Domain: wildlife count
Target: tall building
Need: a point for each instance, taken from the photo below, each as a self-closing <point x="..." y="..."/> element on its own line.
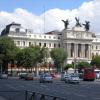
<point x="80" y="44"/>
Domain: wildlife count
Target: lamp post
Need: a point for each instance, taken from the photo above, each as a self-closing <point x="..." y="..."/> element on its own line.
<point x="75" y="64"/>
<point x="1" y="68"/>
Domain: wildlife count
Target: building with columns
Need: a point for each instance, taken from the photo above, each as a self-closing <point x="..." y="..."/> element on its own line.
<point x="80" y="45"/>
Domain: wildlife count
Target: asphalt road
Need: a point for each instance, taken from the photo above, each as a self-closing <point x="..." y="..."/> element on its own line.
<point x="82" y="91"/>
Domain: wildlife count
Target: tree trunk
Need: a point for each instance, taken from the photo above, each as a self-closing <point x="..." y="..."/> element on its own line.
<point x="5" y="67"/>
<point x="37" y="71"/>
<point x="12" y="65"/>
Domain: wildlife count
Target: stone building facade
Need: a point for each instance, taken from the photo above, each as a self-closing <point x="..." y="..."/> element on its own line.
<point x="80" y="45"/>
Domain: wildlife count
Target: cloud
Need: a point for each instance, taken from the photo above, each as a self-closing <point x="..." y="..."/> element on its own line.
<point x="51" y="19"/>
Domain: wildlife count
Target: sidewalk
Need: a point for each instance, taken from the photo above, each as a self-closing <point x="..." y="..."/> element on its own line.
<point x="1" y="98"/>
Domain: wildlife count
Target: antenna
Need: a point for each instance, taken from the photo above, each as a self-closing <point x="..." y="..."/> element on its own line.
<point x="44" y="19"/>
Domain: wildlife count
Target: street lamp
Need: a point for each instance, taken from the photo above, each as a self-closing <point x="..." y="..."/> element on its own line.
<point x="75" y="64"/>
<point x="1" y="68"/>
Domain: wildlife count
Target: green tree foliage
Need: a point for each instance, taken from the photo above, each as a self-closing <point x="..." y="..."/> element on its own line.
<point x="82" y="65"/>
<point x="25" y="58"/>
<point x="29" y="57"/>
<point x="59" y="56"/>
<point x="96" y="61"/>
<point x="7" y="51"/>
<point x="68" y="66"/>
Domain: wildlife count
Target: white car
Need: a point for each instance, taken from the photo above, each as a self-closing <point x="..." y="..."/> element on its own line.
<point x="73" y="78"/>
<point x="3" y="76"/>
<point x="97" y="73"/>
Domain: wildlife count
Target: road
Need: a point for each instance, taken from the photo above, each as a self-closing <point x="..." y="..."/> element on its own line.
<point x="82" y="91"/>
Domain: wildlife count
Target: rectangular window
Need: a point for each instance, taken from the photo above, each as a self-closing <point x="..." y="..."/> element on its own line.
<point x="44" y="44"/>
<point x="40" y="44"/>
<point x="72" y="49"/>
<point x="79" y="50"/>
<point x="86" y="50"/>
<point x="18" y="42"/>
<point x="96" y="47"/>
<point x="49" y="44"/>
<point x="54" y="45"/>
<point x="44" y="36"/>
<point x="49" y="37"/>
<point x="59" y="45"/>
<point x="17" y="30"/>
<point x="23" y="43"/>
<point x="29" y="43"/>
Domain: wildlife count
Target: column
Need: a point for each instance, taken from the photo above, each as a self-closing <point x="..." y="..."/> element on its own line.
<point x="69" y="49"/>
<point x="76" y="50"/>
<point x="83" y="50"/>
<point x="89" y="51"/>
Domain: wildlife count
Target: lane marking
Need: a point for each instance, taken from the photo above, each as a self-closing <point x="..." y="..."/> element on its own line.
<point x="80" y="95"/>
<point x="10" y="86"/>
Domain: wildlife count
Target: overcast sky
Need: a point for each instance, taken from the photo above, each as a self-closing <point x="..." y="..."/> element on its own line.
<point x="31" y="13"/>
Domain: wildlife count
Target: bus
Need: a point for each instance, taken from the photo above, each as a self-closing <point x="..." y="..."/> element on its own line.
<point x="89" y="74"/>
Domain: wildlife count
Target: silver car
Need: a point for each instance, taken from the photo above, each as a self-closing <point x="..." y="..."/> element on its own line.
<point x="3" y="76"/>
<point x="73" y="78"/>
<point x="46" y="78"/>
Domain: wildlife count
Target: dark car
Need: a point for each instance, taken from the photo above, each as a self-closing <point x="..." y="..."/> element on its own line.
<point x="29" y="76"/>
<point x="22" y="75"/>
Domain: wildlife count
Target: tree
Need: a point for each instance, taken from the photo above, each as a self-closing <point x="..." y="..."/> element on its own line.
<point x="26" y="58"/>
<point x="59" y="56"/>
<point x="68" y="66"/>
<point x="30" y="56"/>
<point x="7" y="52"/>
<point x="41" y="55"/>
<point x="82" y="65"/>
<point x="96" y="61"/>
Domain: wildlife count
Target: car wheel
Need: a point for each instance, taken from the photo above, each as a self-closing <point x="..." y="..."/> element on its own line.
<point x="77" y="82"/>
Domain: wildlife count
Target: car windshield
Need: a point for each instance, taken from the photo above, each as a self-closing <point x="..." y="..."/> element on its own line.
<point x="47" y="75"/>
<point x="74" y="75"/>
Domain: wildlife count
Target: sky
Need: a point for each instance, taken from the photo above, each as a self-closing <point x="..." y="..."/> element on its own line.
<point x="40" y="14"/>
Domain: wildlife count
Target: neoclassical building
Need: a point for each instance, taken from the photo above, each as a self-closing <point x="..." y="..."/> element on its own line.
<point x="80" y="45"/>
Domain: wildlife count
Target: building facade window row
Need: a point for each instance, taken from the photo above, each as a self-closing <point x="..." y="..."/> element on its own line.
<point x="41" y="44"/>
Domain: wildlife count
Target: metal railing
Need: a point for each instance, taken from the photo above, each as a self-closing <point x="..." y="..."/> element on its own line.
<point x="28" y="95"/>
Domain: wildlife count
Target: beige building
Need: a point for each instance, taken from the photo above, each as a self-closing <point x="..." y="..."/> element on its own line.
<point x="79" y="44"/>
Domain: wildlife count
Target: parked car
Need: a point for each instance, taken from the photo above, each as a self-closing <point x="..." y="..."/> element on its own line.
<point x="29" y="76"/>
<point x="46" y="78"/>
<point x="63" y="76"/>
<point x="53" y="75"/>
<point x="3" y="76"/>
<point x="73" y="78"/>
<point x="22" y="75"/>
<point x="97" y="71"/>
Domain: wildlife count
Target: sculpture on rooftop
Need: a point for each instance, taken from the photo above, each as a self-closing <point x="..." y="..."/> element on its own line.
<point x="66" y="23"/>
<point x="87" y="25"/>
<point x="77" y="22"/>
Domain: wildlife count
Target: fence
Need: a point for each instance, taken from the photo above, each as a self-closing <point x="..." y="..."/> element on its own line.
<point x="28" y="95"/>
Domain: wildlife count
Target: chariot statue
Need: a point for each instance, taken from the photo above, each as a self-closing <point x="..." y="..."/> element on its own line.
<point x="87" y="25"/>
<point x="77" y="22"/>
<point x="66" y="23"/>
